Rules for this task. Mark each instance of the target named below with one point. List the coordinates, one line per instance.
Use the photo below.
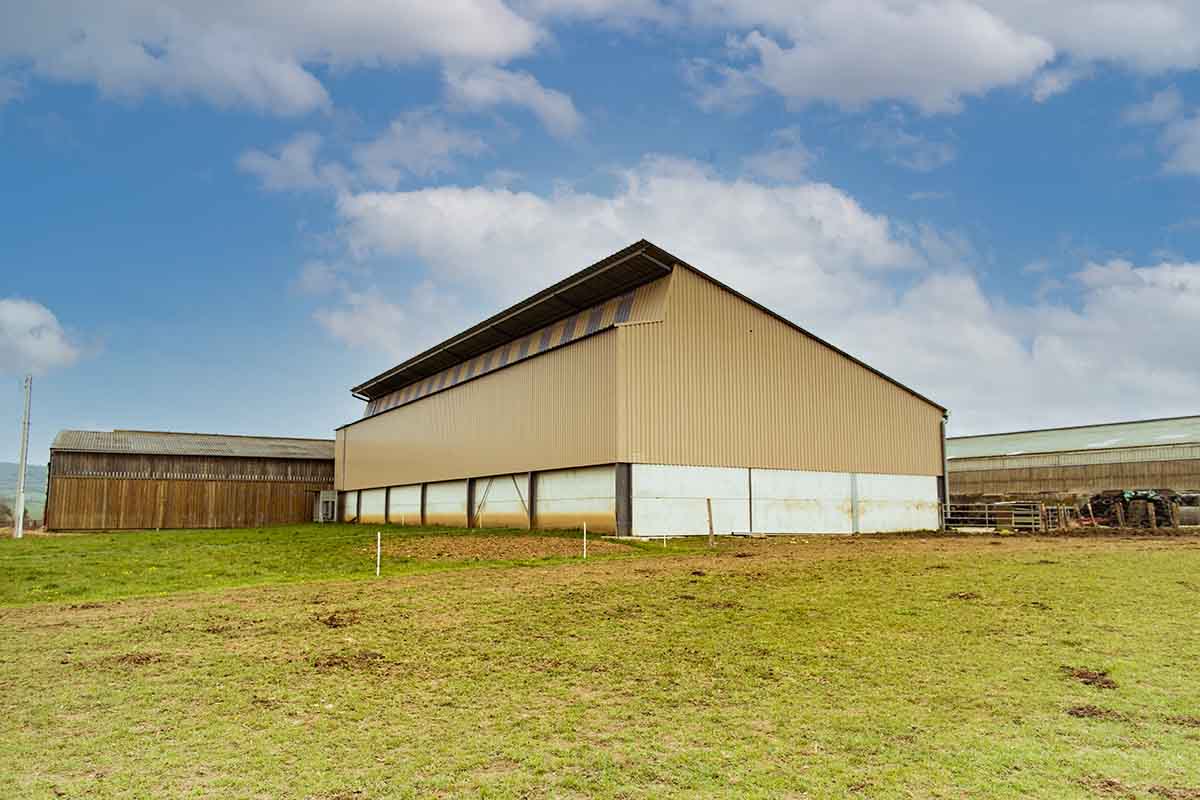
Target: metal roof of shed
(1110, 436)
(166, 443)
(627, 269)
(639, 263)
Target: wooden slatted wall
(100, 491)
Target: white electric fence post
(585, 541)
(378, 551)
(19, 512)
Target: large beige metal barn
(630, 394)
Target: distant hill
(35, 487)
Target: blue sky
(221, 217)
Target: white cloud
(31, 338)
(908, 150)
(488, 86)
(366, 319)
(416, 143)
(929, 53)
(259, 54)
(10, 89)
(786, 161)
(1182, 140)
(1163, 106)
(814, 242)
(1057, 80)
(814, 254)
(293, 166)
(1180, 126)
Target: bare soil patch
(130, 660)
(1090, 677)
(1108, 786)
(361, 660)
(338, 619)
(1176, 792)
(1187, 722)
(495, 547)
(1094, 712)
(965, 596)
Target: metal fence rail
(999, 516)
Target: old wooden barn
(111, 480)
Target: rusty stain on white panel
(795, 501)
(446, 503)
(349, 506)
(373, 506)
(568, 498)
(673, 500)
(404, 505)
(890, 503)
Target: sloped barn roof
(191, 444)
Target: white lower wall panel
(897, 503)
(792, 501)
(373, 506)
(672, 500)
(446, 503)
(500, 501)
(566, 498)
(404, 505)
(349, 506)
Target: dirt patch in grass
(1176, 792)
(1094, 712)
(1039, 605)
(338, 619)
(1187, 722)
(1090, 677)
(495, 547)
(361, 660)
(1110, 787)
(129, 660)
(965, 596)
(85, 606)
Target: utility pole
(19, 511)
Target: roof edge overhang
(641, 262)
(1076, 428)
(635, 265)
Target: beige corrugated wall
(556, 410)
(720, 383)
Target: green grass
(789, 668)
(110, 565)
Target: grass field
(501, 667)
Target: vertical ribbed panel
(556, 410)
(721, 383)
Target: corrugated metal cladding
(191, 444)
(633, 306)
(696, 376)
(1098, 438)
(722, 383)
(556, 410)
(1077, 479)
(1128, 455)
